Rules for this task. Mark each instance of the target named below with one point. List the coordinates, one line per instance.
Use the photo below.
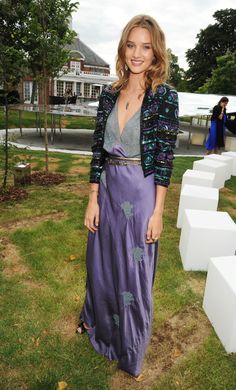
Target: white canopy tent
(192, 104)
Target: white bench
(206, 234)
(233, 155)
(219, 300)
(208, 165)
(198, 178)
(197, 197)
(224, 159)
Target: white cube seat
(205, 234)
(224, 159)
(216, 167)
(219, 300)
(233, 156)
(197, 197)
(198, 178)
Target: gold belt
(115, 160)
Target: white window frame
(87, 90)
(28, 86)
(60, 88)
(75, 67)
(78, 89)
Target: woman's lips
(136, 62)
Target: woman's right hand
(91, 219)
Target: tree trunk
(34, 89)
(45, 83)
(6, 143)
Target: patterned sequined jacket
(158, 131)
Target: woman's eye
(130, 45)
(147, 47)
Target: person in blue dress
(216, 138)
(136, 129)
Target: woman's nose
(137, 51)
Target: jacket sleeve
(216, 113)
(99, 154)
(167, 130)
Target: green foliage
(47, 34)
(177, 76)
(214, 41)
(223, 79)
(12, 55)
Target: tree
(177, 75)
(12, 57)
(33, 35)
(223, 79)
(48, 32)
(214, 41)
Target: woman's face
(139, 53)
(223, 104)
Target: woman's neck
(136, 83)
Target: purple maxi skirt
(121, 268)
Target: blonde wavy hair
(158, 71)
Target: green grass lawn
(42, 251)
(28, 121)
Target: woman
(68, 95)
(135, 134)
(217, 130)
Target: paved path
(79, 141)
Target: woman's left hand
(155, 227)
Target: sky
(99, 23)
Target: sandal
(81, 328)
(139, 378)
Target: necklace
(128, 102)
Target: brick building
(86, 73)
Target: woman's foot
(82, 327)
(139, 378)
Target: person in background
(68, 94)
(216, 138)
(136, 130)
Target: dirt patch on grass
(66, 326)
(30, 222)
(9, 373)
(228, 194)
(52, 161)
(79, 188)
(79, 170)
(33, 164)
(181, 334)
(64, 123)
(197, 285)
(53, 166)
(32, 284)
(82, 160)
(12, 261)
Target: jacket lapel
(109, 102)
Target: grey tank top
(130, 136)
